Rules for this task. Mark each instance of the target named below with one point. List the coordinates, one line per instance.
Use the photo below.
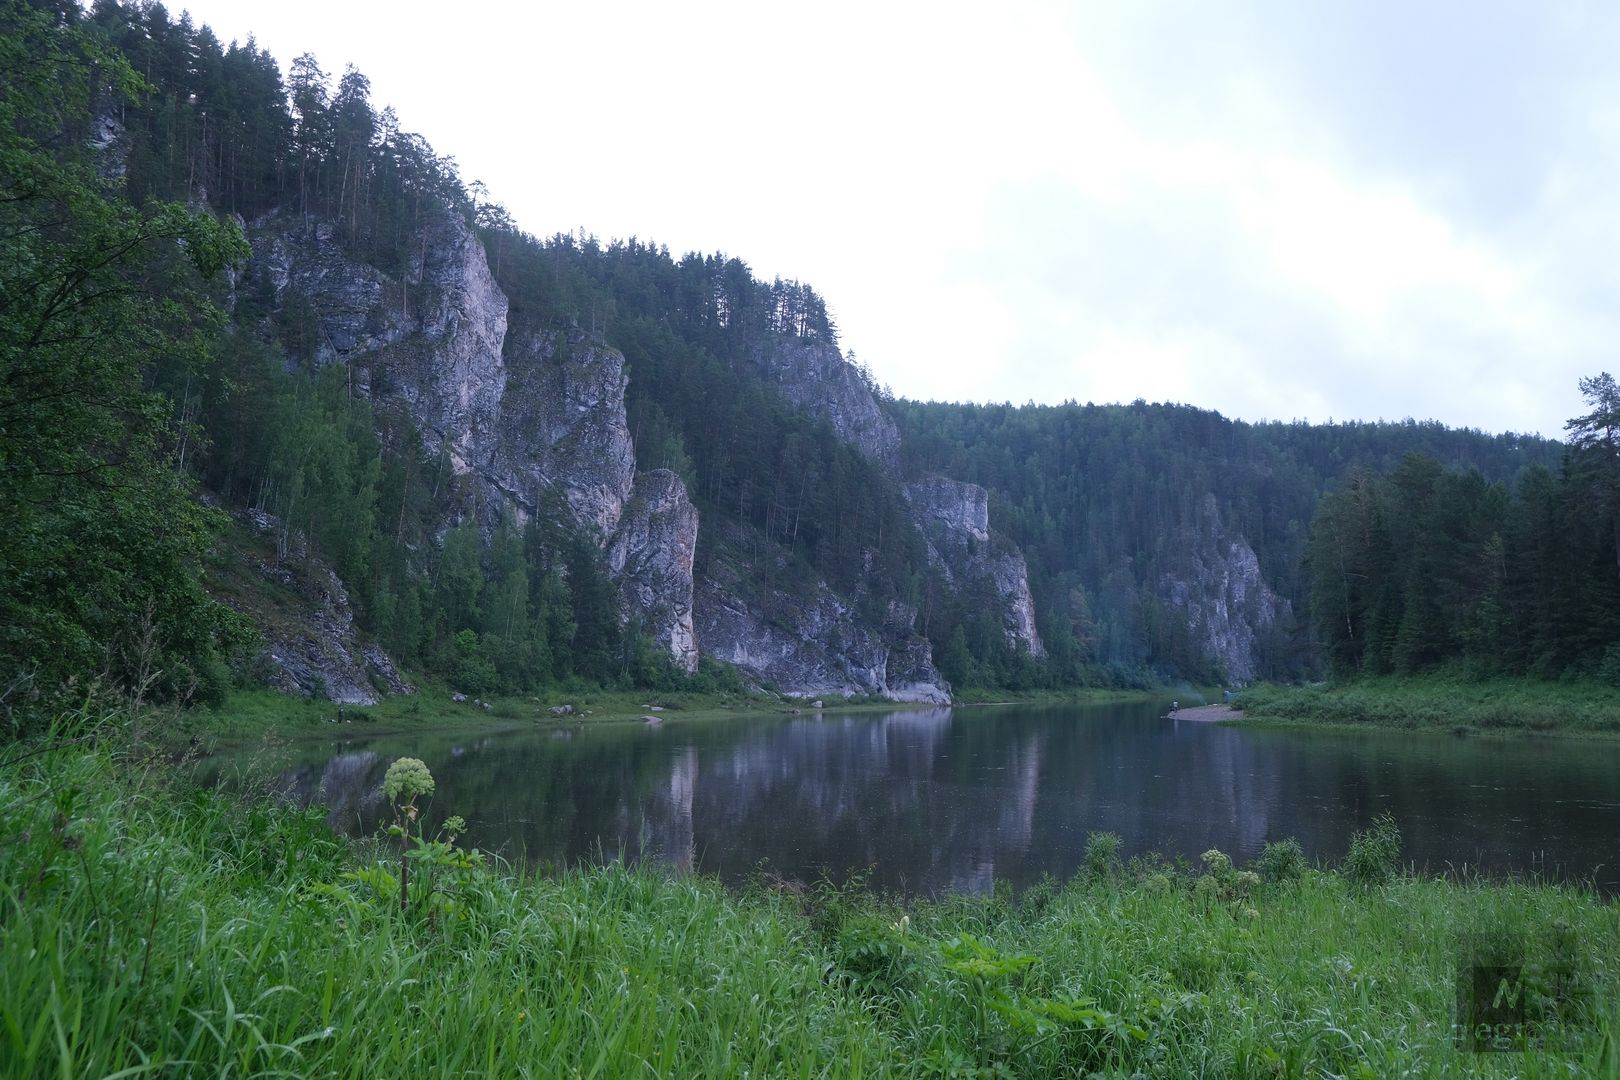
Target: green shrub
(1217, 863)
(872, 952)
(471, 671)
(1281, 860)
(1102, 854)
(1375, 852)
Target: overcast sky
(1278, 210)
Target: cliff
(954, 518)
(788, 629)
(532, 414)
(651, 554)
(563, 430)
(535, 417)
(1219, 589)
(430, 340)
(524, 414)
(815, 376)
(312, 647)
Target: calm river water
(930, 800)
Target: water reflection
(939, 799)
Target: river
(926, 801)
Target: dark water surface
(931, 800)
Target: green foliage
(99, 302)
(1281, 860)
(1004, 1018)
(873, 952)
(1608, 670)
(1102, 854)
(1451, 699)
(1424, 567)
(1375, 852)
(470, 672)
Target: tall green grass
(1445, 701)
(150, 929)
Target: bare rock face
(431, 340)
(909, 674)
(1223, 595)
(651, 555)
(954, 518)
(956, 511)
(303, 611)
(563, 429)
(816, 377)
(803, 638)
(529, 415)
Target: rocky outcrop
(790, 631)
(564, 430)
(954, 518)
(533, 416)
(651, 555)
(430, 340)
(815, 376)
(1219, 589)
(303, 611)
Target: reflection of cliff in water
(928, 804)
(931, 799)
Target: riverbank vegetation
(1446, 601)
(151, 927)
(1455, 702)
(1424, 569)
(256, 714)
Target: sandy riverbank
(1207, 713)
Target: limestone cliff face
(537, 418)
(534, 415)
(311, 645)
(651, 555)
(528, 415)
(1225, 598)
(563, 430)
(816, 377)
(803, 638)
(431, 340)
(954, 518)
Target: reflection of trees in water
(935, 800)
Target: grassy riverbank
(1444, 703)
(1079, 695)
(253, 713)
(151, 928)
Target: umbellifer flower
(408, 777)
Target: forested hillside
(1421, 566)
(1108, 501)
(227, 288)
